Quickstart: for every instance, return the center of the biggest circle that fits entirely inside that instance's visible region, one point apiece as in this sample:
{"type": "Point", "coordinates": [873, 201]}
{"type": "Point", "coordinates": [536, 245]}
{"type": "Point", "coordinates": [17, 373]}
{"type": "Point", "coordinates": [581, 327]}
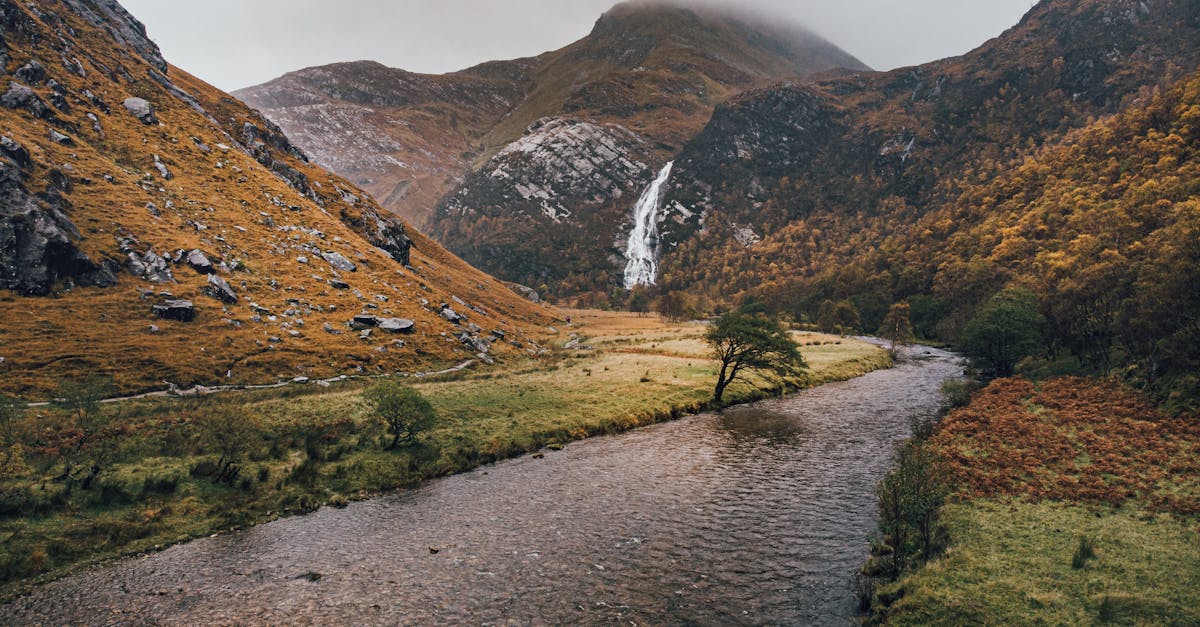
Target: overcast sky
{"type": "Point", "coordinates": [239, 43]}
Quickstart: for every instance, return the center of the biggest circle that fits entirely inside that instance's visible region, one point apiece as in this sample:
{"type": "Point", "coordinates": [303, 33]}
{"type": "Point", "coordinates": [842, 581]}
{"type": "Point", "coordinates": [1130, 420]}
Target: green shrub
{"type": "Point", "coordinates": [405, 412]}
{"type": "Point", "coordinates": [957, 393]}
{"type": "Point", "coordinates": [1084, 551]}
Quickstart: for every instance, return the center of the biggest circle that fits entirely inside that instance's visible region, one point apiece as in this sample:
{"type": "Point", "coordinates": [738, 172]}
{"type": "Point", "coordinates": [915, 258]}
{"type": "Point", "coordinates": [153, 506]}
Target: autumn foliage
{"type": "Point", "coordinates": [1072, 439]}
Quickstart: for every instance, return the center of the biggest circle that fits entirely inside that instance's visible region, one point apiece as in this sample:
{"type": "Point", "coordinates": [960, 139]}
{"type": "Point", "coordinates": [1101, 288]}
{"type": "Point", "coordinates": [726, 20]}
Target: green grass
{"type": "Point", "coordinates": [316, 446]}
{"type": "Point", "coordinates": [1011, 563]}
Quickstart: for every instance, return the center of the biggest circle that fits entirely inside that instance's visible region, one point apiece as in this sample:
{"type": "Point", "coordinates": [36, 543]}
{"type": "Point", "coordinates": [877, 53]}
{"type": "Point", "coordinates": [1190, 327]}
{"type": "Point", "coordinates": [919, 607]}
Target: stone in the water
{"type": "Point", "coordinates": [141, 109]}
{"type": "Point", "coordinates": [181, 310]}
{"type": "Point", "coordinates": [396, 325]}
{"type": "Point", "coordinates": [219, 289]}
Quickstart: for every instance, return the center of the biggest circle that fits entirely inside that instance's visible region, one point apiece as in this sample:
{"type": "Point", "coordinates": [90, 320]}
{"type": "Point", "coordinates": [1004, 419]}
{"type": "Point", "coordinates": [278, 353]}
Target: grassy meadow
{"type": "Point", "coordinates": [1075, 501]}
{"type": "Point", "coordinates": [298, 448]}
{"type": "Point", "coordinates": [1011, 563]}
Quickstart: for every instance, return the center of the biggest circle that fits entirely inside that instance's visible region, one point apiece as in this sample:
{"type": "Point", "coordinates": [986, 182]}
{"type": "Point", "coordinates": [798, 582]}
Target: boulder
{"type": "Point", "coordinates": [338, 284]}
{"type": "Point", "coordinates": [61, 138]}
{"type": "Point", "coordinates": [451, 315]}
{"type": "Point", "coordinates": [219, 289]}
{"type": "Point", "coordinates": [199, 262]}
{"type": "Point", "coordinates": [31, 72]}
{"type": "Point", "coordinates": [19, 96]}
{"type": "Point", "coordinates": [339, 262]}
{"type": "Point", "coordinates": [181, 310]}
{"type": "Point", "coordinates": [363, 321]}
{"type": "Point", "coordinates": [396, 325]}
{"type": "Point", "coordinates": [528, 293]}
{"type": "Point", "coordinates": [150, 266]}
{"type": "Point", "coordinates": [162, 169]}
{"type": "Point", "coordinates": [14, 151]}
{"type": "Point", "coordinates": [478, 344]}
{"type": "Point", "coordinates": [141, 109]}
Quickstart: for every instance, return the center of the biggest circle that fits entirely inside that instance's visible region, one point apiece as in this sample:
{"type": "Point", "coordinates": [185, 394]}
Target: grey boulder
{"type": "Point", "coordinates": [219, 289]}
{"type": "Point", "coordinates": [141, 109]}
{"type": "Point", "coordinates": [181, 310]}
{"type": "Point", "coordinates": [396, 325]}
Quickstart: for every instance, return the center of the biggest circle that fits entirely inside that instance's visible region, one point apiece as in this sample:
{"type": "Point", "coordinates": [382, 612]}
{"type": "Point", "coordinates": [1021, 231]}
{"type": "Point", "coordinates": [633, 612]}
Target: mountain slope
{"type": "Point", "coordinates": [871, 192]}
{"type": "Point", "coordinates": [129, 184]}
{"type": "Point", "coordinates": [553, 154]}
{"type": "Point", "coordinates": [1104, 228]}
{"type": "Point", "coordinates": [823, 171]}
{"type": "Point", "coordinates": [406, 138]}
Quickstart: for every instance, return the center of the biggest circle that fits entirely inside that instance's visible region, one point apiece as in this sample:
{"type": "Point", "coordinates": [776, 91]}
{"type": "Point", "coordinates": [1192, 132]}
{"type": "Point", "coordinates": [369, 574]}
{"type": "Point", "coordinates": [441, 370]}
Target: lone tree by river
{"type": "Point", "coordinates": [405, 412]}
{"type": "Point", "coordinates": [748, 343]}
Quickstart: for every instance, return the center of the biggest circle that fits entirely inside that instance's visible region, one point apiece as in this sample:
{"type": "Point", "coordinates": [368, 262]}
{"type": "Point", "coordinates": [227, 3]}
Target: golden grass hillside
{"type": "Point", "coordinates": [208, 174]}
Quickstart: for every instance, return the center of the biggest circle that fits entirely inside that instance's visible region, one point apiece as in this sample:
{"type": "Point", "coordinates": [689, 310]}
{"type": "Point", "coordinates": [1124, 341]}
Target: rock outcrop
{"type": "Point", "coordinates": [38, 241]}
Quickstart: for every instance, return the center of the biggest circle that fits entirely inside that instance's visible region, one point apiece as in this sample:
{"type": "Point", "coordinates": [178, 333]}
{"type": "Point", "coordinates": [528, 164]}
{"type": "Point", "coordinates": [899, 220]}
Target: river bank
{"type": "Point", "coordinates": [313, 446]}
{"type": "Point", "coordinates": [1076, 501]}
{"type": "Point", "coordinates": [754, 515]}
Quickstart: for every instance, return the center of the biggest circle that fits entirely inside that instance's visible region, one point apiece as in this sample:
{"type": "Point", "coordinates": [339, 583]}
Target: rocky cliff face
{"type": "Point", "coordinates": [184, 238]}
{"type": "Point", "coordinates": [557, 144]}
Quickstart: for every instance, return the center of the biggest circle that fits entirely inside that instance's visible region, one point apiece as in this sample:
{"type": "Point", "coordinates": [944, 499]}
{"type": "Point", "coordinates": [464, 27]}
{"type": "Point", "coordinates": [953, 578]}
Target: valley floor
{"type": "Point", "coordinates": [1040, 471]}
{"type": "Point", "coordinates": [310, 446]}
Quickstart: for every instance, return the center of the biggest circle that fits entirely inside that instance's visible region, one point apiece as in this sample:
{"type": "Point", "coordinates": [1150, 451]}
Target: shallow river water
{"type": "Point", "coordinates": [756, 515]}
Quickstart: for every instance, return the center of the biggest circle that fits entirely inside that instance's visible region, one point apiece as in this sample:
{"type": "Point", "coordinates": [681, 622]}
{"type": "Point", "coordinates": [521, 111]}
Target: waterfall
{"type": "Point", "coordinates": [642, 267]}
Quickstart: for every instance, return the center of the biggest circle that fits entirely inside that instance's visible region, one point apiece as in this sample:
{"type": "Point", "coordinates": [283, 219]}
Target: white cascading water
{"type": "Point", "coordinates": [642, 267]}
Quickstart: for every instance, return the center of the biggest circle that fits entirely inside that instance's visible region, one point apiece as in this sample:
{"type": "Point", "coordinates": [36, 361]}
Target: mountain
{"type": "Point", "coordinates": [406, 138]}
{"type": "Point", "coordinates": [1059, 159]}
{"type": "Point", "coordinates": [540, 158]}
{"type": "Point", "coordinates": [821, 172]}
{"type": "Point", "coordinates": [157, 230]}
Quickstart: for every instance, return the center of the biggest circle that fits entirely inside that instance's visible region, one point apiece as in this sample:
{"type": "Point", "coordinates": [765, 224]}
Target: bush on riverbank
{"type": "Point", "coordinates": [1035, 467]}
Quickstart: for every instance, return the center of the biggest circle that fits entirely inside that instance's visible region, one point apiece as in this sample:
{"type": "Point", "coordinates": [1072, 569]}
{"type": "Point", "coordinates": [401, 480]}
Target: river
{"type": "Point", "coordinates": [756, 515]}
